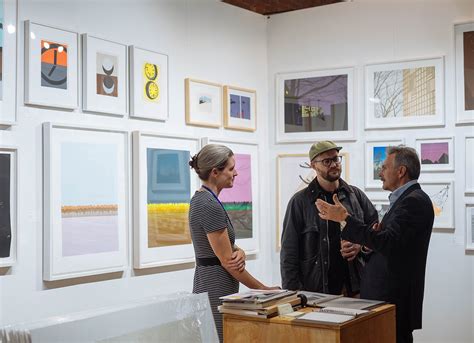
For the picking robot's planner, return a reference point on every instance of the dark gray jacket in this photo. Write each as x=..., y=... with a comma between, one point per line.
x=304, y=256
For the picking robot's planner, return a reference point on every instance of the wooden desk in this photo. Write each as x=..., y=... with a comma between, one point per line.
x=375, y=327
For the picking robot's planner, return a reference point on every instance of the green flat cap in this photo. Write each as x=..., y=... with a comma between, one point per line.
x=320, y=147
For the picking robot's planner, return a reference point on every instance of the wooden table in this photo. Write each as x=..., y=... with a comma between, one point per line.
x=374, y=327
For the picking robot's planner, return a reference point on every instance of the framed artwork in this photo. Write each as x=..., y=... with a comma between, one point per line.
x=469, y=165
x=294, y=173
x=464, y=37
x=470, y=226
x=381, y=206
x=404, y=94
x=375, y=155
x=436, y=154
x=242, y=200
x=8, y=206
x=8, y=30
x=203, y=103
x=442, y=197
x=148, y=84
x=163, y=186
x=85, y=201
x=240, y=108
x=104, y=72
x=312, y=104
x=51, y=66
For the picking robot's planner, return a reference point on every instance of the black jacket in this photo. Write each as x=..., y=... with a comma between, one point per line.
x=304, y=256
x=395, y=272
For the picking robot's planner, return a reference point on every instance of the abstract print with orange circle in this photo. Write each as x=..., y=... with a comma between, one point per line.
x=53, y=65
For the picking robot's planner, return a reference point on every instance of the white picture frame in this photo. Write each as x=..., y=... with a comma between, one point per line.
x=153, y=248
x=469, y=209
x=334, y=114
x=375, y=154
x=381, y=206
x=463, y=115
x=469, y=165
x=11, y=155
x=149, y=79
x=104, y=76
x=8, y=55
x=57, y=84
x=245, y=153
x=441, y=194
x=96, y=202
x=240, y=108
x=436, y=154
x=203, y=103
x=389, y=104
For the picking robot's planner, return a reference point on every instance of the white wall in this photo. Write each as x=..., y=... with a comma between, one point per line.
x=369, y=31
x=204, y=39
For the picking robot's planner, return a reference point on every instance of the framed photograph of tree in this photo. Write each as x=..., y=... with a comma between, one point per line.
x=312, y=104
x=464, y=37
x=405, y=94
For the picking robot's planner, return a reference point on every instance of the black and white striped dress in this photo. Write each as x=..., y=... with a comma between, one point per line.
x=207, y=215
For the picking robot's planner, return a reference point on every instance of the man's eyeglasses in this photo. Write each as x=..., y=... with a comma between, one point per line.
x=327, y=162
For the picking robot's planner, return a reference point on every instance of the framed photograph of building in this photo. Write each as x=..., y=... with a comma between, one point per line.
x=436, y=154
x=8, y=205
x=464, y=37
x=404, y=94
x=375, y=155
x=240, y=108
x=442, y=197
x=203, y=103
x=51, y=66
x=163, y=186
x=312, y=104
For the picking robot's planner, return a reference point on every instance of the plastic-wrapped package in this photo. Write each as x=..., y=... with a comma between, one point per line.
x=178, y=317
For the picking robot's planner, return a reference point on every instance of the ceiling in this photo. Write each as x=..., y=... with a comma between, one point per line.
x=268, y=7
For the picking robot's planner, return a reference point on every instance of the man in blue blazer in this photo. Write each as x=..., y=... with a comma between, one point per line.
x=395, y=269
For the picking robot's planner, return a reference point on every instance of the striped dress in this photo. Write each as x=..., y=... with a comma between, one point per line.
x=207, y=215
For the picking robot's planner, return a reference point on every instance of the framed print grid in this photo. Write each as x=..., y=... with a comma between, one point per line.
x=375, y=155
x=312, y=104
x=469, y=226
x=85, y=201
x=469, y=165
x=51, y=66
x=8, y=205
x=240, y=108
x=464, y=38
x=104, y=69
x=163, y=185
x=242, y=201
x=404, y=94
x=148, y=84
x=203, y=103
x=442, y=196
x=8, y=36
x=436, y=154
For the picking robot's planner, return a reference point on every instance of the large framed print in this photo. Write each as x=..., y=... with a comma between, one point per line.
x=464, y=37
x=51, y=66
x=86, y=184
x=294, y=173
x=442, y=197
x=469, y=226
x=148, y=84
x=404, y=94
x=104, y=72
x=8, y=31
x=312, y=104
x=240, y=108
x=375, y=155
x=469, y=165
x=8, y=205
x=436, y=154
x=242, y=202
x=203, y=103
x=163, y=186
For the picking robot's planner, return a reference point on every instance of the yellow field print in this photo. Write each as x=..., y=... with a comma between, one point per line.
x=168, y=224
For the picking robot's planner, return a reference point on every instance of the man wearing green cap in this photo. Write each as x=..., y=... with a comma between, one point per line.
x=312, y=256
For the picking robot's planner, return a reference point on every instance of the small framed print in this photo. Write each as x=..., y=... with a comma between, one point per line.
x=464, y=36
x=148, y=84
x=203, y=103
x=469, y=165
x=436, y=154
x=470, y=226
x=8, y=206
x=51, y=66
x=442, y=196
x=240, y=108
x=375, y=155
x=382, y=206
x=104, y=67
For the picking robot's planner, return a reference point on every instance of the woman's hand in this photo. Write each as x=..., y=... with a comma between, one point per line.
x=238, y=260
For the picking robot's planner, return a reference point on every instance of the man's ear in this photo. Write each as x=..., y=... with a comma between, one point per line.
x=402, y=171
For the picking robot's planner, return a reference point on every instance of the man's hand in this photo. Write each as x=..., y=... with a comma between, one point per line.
x=336, y=212
x=377, y=227
x=349, y=250
x=238, y=260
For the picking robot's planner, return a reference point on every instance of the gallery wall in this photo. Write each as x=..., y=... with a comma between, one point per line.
x=380, y=31
x=205, y=40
